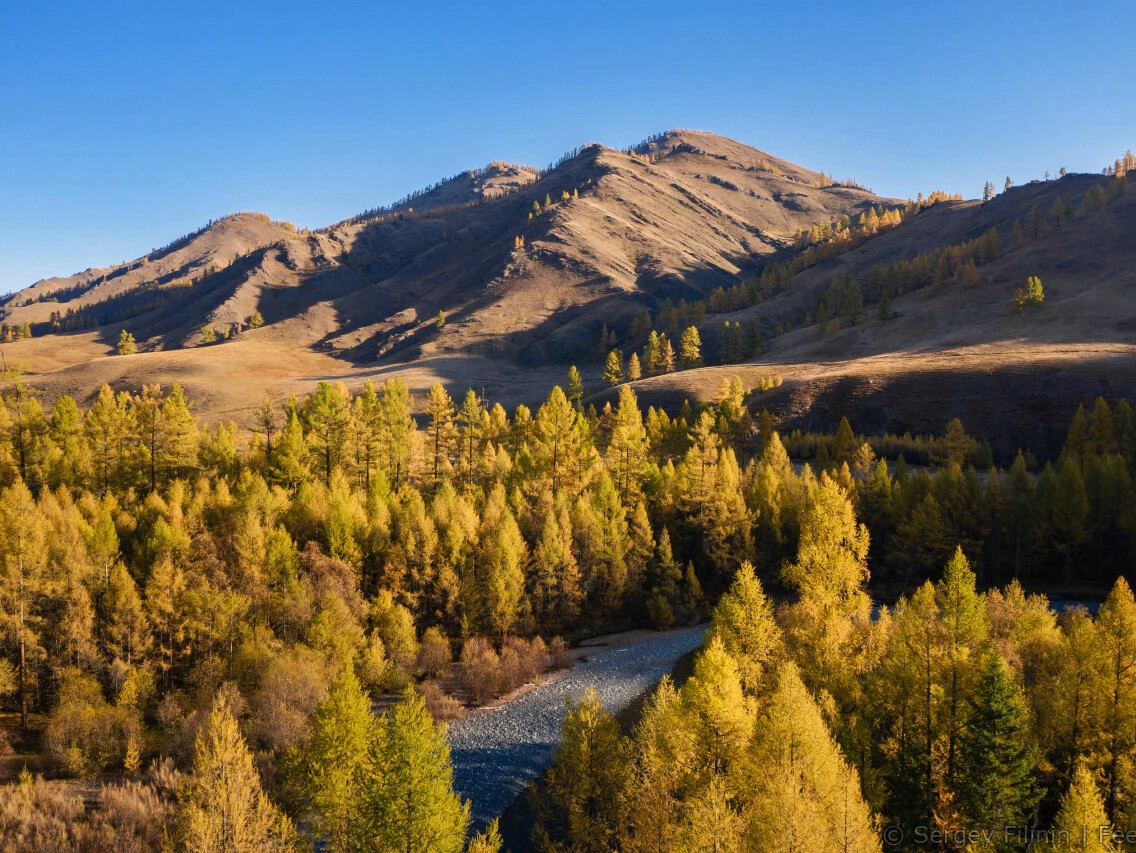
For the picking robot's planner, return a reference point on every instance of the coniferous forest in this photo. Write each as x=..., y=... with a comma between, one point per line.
x=248, y=637
x=677, y=496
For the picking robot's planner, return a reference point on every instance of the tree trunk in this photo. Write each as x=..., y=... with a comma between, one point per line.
x=23, y=677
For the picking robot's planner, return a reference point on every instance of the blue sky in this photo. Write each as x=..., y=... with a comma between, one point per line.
x=125, y=125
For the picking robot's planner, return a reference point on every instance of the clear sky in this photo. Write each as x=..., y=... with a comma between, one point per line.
x=125, y=125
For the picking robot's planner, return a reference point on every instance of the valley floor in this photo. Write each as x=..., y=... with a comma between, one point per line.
x=498, y=750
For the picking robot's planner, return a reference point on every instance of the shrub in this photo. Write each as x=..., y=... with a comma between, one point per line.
x=39, y=815
x=433, y=652
x=659, y=611
x=441, y=705
x=378, y=672
x=560, y=654
x=480, y=670
x=132, y=817
x=395, y=626
x=86, y=734
x=293, y=684
x=532, y=660
x=509, y=674
x=137, y=691
x=486, y=674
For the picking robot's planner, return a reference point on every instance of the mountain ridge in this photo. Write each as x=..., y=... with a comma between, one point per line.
x=529, y=266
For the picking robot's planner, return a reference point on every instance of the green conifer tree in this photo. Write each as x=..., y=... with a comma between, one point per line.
x=997, y=759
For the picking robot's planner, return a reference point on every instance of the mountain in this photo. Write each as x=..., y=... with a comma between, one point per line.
x=530, y=266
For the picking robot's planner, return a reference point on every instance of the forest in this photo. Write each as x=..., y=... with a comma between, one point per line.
x=200, y=621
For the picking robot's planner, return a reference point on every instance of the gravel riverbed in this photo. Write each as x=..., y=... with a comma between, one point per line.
x=497, y=751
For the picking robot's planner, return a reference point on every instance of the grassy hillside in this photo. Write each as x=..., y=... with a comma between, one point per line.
x=531, y=266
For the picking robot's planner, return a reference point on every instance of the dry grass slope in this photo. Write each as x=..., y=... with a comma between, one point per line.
x=528, y=266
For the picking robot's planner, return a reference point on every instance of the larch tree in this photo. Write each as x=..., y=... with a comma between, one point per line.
x=554, y=573
x=717, y=714
x=406, y=800
x=486, y=841
x=666, y=356
x=844, y=445
x=290, y=459
x=727, y=528
x=662, y=749
x=883, y=307
x=366, y=433
x=23, y=581
x=564, y=453
x=690, y=348
x=802, y=794
x=613, y=368
x=147, y=411
x=1116, y=684
x=584, y=802
x=127, y=635
x=965, y=627
x=697, y=473
x=714, y=823
x=1081, y=825
x=829, y=573
x=222, y=807
x=605, y=555
x=627, y=450
x=126, y=343
x=396, y=430
x=266, y=425
x=1065, y=513
x=441, y=434
x=469, y=433
x=102, y=540
x=1068, y=701
x=575, y=388
x=907, y=699
x=743, y=620
x=179, y=428
x=106, y=426
x=652, y=355
x=168, y=612
x=499, y=583
x=70, y=459
x=325, y=771
x=327, y=413
x=634, y=370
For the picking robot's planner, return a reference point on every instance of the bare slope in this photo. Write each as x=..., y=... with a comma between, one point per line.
x=956, y=350
x=528, y=267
